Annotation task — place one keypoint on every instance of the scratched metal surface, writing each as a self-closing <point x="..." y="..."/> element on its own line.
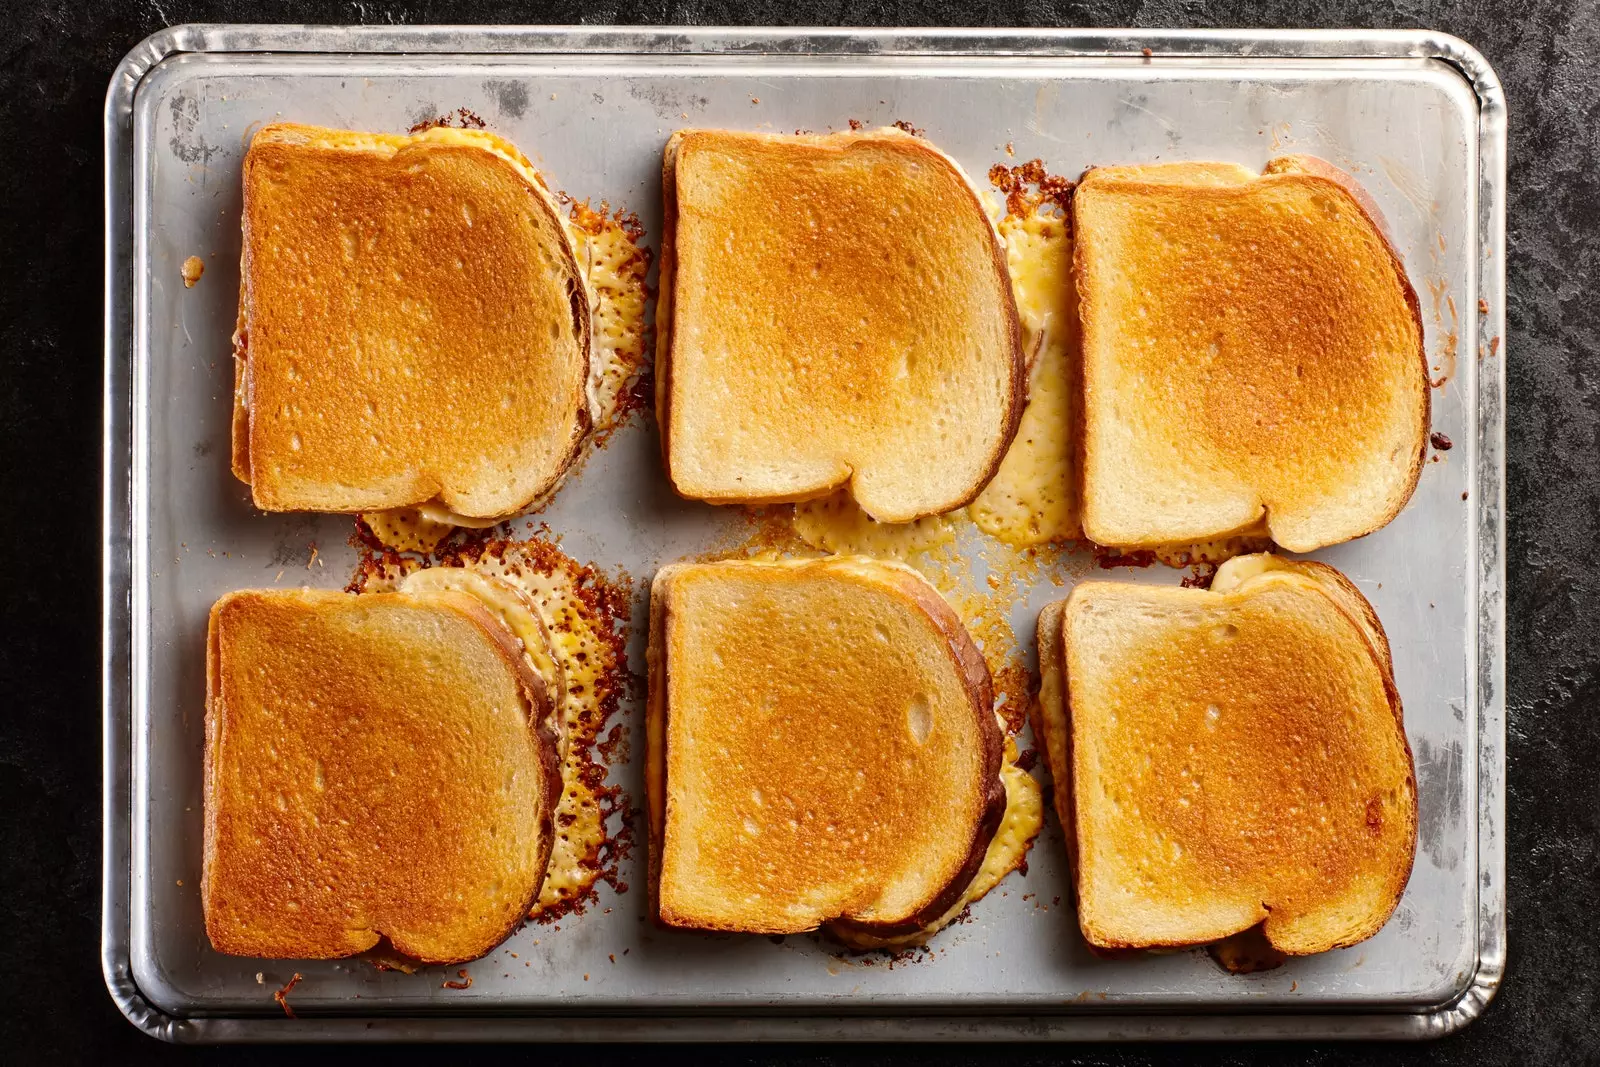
<point x="594" y="121"/>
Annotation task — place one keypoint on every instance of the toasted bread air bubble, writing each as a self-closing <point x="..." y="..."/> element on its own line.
<point x="919" y="718"/>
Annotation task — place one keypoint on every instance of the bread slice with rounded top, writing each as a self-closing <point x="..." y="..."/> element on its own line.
<point x="823" y="749"/>
<point x="1252" y="351"/>
<point x="834" y="310"/>
<point x="413" y="325"/>
<point x="1229" y="757"/>
<point x="376" y="767"/>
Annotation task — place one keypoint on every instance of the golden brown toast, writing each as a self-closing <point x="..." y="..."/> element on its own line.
<point x="823" y="749"/>
<point x="413" y="325"/>
<point x="1252" y="351"/>
<point x="834" y="310"/>
<point x="1228" y="757"/>
<point x="376" y="767"/>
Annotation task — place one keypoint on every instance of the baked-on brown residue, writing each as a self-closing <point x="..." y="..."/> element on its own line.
<point x="1029" y="185"/>
<point x="906" y="127"/>
<point x="1440" y="441"/>
<point x="464" y="983"/>
<point x="855" y="124"/>
<point x="595" y="221"/>
<point x="461" y="119"/>
<point x="282" y="995"/>
<point x="1108" y="558"/>
<point x="614" y="747"/>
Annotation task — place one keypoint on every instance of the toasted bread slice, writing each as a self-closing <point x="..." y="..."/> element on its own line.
<point x="1252" y="350"/>
<point x="376" y="766"/>
<point x="834" y="310"/>
<point x="1229" y="757"/>
<point x="823" y="749"/>
<point x="413" y="325"/>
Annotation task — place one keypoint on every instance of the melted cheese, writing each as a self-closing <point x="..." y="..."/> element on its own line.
<point x="406" y="530"/>
<point x="575" y="641"/>
<point x="1030" y="500"/>
<point x="576" y="645"/>
<point x="1216" y="550"/>
<point x="616" y="268"/>
<point x="1234" y="573"/>
<point x="1018" y="827"/>
<point x="836" y="523"/>
<point x="437" y="513"/>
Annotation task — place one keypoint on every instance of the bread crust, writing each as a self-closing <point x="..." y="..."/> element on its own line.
<point x="1324" y="171"/>
<point x="980" y="693"/>
<point x="535" y="714"/>
<point x="572" y="277"/>
<point x="1348" y="602"/>
<point x="900" y="142"/>
<point x="1052" y="726"/>
<point x="980" y="688"/>
<point x="1302" y="168"/>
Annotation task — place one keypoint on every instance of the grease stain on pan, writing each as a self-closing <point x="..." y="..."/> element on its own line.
<point x="1440" y="793"/>
<point x="510" y="94"/>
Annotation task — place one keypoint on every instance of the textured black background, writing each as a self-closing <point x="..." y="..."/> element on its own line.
<point x="57" y="58"/>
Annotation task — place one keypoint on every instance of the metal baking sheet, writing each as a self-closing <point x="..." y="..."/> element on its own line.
<point x="1418" y="117"/>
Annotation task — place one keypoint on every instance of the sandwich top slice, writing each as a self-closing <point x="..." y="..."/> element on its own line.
<point x="823" y="751"/>
<point x="835" y="310"/>
<point x="413" y="325"/>
<point x="1229" y="757"/>
<point x="1252" y="356"/>
<point x="377" y="766"/>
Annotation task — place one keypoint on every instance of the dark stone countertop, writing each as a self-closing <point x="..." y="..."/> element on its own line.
<point x="57" y="59"/>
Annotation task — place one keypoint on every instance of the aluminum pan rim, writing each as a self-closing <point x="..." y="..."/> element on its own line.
<point x="1489" y="530"/>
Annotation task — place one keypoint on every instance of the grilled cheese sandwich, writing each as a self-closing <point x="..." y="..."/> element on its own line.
<point x="823" y="752"/>
<point x="1228" y="758"/>
<point x="834" y="312"/>
<point x="1252" y="355"/>
<point x="414" y="326"/>
<point x="330" y="719"/>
